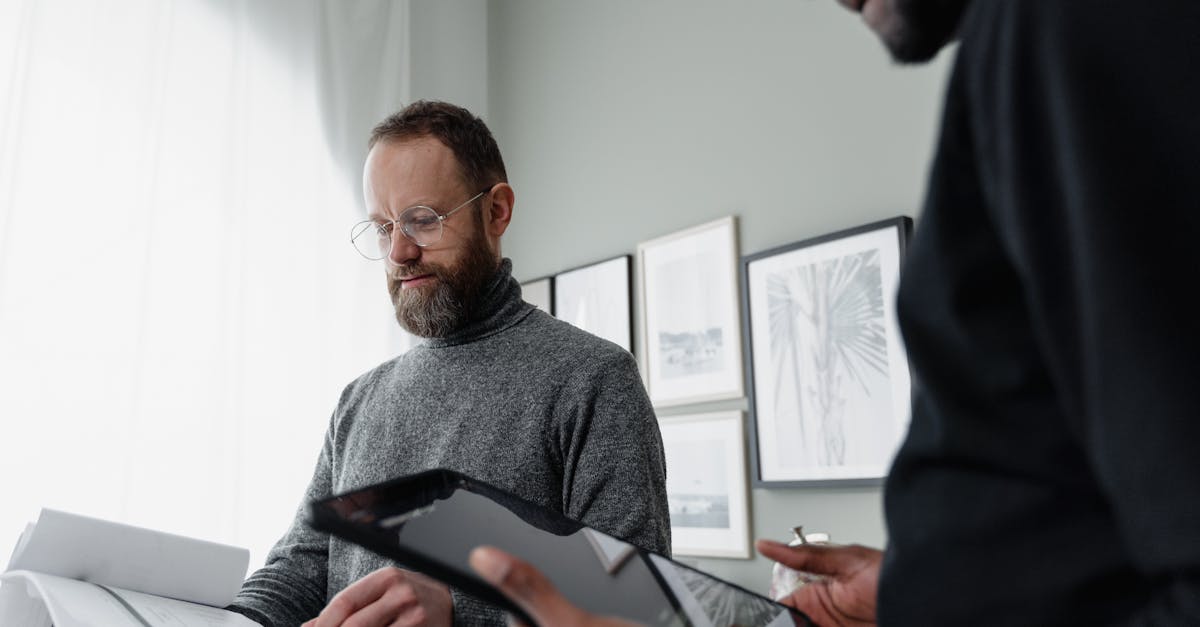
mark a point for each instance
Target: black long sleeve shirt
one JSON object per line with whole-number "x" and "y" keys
{"x": 1052, "y": 470}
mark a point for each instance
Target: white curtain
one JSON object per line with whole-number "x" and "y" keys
{"x": 179, "y": 303}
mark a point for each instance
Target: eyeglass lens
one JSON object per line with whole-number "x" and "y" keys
{"x": 420, "y": 224}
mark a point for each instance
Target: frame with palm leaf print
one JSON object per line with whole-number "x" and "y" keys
{"x": 827, "y": 376}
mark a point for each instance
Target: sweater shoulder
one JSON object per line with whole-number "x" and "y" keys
{"x": 544, "y": 334}
{"x": 355, "y": 389}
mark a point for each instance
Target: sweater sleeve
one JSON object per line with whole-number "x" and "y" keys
{"x": 614, "y": 471}
{"x": 472, "y": 612}
{"x": 291, "y": 587}
{"x": 1108, "y": 135}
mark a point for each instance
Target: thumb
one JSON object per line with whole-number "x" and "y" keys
{"x": 525, "y": 586}
{"x": 812, "y": 558}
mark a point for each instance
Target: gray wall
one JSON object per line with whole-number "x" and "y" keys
{"x": 449, "y": 52}
{"x": 628, "y": 119}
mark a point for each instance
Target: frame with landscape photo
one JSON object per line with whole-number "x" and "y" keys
{"x": 691, "y": 336}
{"x": 707, "y": 492}
{"x": 828, "y": 378}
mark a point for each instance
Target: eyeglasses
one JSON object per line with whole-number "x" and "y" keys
{"x": 420, "y": 224}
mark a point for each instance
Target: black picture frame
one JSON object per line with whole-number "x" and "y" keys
{"x": 539, "y": 292}
{"x": 604, "y": 284}
{"x": 797, "y": 369}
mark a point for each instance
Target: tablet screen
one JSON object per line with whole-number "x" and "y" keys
{"x": 432, "y": 521}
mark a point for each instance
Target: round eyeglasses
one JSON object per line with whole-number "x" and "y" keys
{"x": 420, "y": 224}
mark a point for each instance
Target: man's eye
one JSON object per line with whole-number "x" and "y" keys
{"x": 423, "y": 224}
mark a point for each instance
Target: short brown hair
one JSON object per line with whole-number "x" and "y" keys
{"x": 479, "y": 160}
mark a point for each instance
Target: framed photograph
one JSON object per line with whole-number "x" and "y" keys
{"x": 691, "y": 336}
{"x": 706, "y": 484}
{"x": 539, "y": 293}
{"x": 596, "y": 298}
{"x": 829, "y": 380}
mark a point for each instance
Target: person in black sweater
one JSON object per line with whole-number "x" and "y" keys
{"x": 1050, "y": 474}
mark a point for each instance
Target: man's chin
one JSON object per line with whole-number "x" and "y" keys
{"x": 417, "y": 325}
{"x": 429, "y": 311}
{"x": 914, "y": 51}
{"x": 914, "y": 31}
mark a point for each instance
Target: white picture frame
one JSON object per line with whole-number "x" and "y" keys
{"x": 597, "y": 299}
{"x": 689, "y": 323}
{"x": 826, "y": 407}
{"x": 707, "y": 488}
{"x": 539, "y": 293}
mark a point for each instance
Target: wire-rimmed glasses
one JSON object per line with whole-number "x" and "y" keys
{"x": 419, "y": 223}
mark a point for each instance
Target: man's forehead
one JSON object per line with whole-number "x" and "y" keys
{"x": 416, "y": 151}
{"x": 411, "y": 172}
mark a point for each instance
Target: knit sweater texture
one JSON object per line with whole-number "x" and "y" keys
{"x": 515, "y": 398}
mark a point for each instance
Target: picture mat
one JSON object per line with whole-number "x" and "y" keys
{"x": 706, "y": 466}
{"x": 539, "y": 293}
{"x": 595, "y": 298}
{"x": 690, "y": 322}
{"x": 875, "y": 419}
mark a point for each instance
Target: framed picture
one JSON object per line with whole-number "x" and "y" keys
{"x": 829, "y": 380}
{"x": 595, "y": 298}
{"x": 539, "y": 293}
{"x": 689, "y": 323}
{"x": 706, "y": 484}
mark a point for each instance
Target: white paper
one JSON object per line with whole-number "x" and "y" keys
{"x": 21, "y": 542}
{"x": 132, "y": 558}
{"x": 19, "y": 607}
{"x": 70, "y": 603}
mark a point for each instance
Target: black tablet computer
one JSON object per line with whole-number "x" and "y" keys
{"x": 430, "y": 522}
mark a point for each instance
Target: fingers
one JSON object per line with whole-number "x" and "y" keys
{"x": 354, "y": 597}
{"x": 362, "y": 600}
{"x": 818, "y": 559}
{"x": 527, "y": 587}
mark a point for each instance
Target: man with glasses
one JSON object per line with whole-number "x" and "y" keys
{"x": 497, "y": 390}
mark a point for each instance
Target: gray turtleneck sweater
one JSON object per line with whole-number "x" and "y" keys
{"x": 516, "y": 398}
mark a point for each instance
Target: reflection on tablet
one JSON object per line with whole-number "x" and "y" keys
{"x": 431, "y": 522}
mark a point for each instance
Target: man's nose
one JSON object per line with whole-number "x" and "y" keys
{"x": 404, "y": 250}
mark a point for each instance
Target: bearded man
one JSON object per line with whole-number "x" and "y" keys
{"x": 497, "y": 390}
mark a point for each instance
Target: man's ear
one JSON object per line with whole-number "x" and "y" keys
{"x": 499, "y": 212}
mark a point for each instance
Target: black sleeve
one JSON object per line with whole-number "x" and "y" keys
{"x": 1090, "y": 146}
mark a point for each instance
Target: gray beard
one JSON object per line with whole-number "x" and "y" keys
{"x": 447, "y": 305}
{"x": 436, "y": 312}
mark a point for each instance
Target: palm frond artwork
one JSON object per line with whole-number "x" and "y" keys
{"x": 827, "y": 333}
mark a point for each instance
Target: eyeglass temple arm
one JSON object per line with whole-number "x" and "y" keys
{"x": 470, "y": 200}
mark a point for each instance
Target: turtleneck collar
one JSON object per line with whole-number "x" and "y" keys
{"x": 499, "y": 308}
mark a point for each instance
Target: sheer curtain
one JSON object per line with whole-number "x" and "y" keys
{"x": 179, "y": 303}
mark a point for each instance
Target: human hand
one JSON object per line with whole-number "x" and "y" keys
{"x": 388, "y": 596}
{"x": 847, "y": 596}
{"x": 532, "y": 592}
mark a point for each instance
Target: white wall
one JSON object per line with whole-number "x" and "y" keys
{"x": 628, "y": 119}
